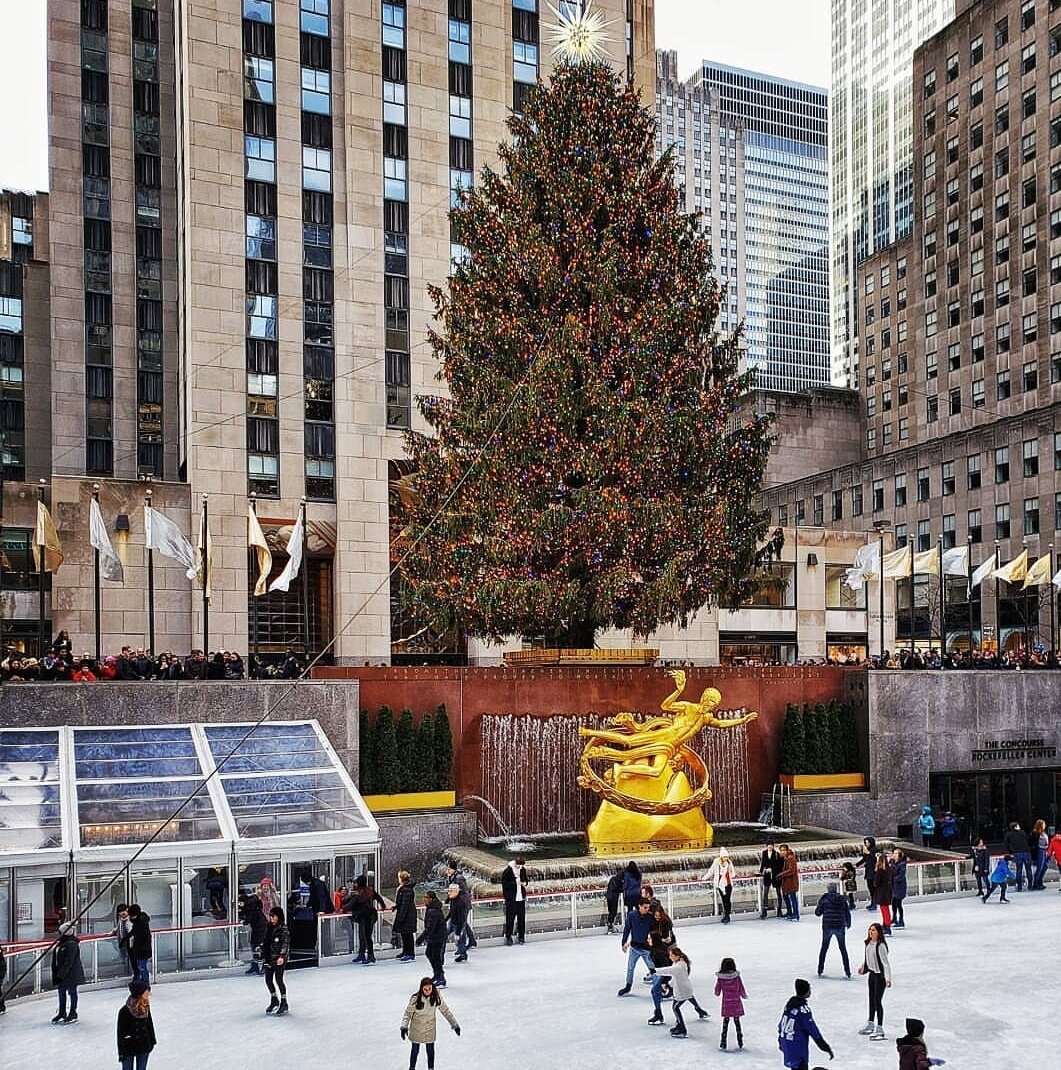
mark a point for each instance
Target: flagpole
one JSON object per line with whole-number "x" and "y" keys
{"x": 95, "y": 576}
{"x": 1053, "y": 606}
{"x": 150, "y": 587}
{"x": 305, "y": 583}
{"x": 205, "y": 564}
{"x": 998, "y": 613}
{"x": 1024, "y": 606}
{"x": 41, "y": 568}
{"x": 913, "y": 617}
{"x": 942, "y": 603}
{"x": 252, "y": 555}
{"x": 969, "y": 589}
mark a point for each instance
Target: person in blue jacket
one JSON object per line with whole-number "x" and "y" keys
{"x": 948, "y": 829}
{"x": 999, "y": 876}
{"x": 926, "y": 825}
{"x": 639, "y": 924}
{"x": 797, "y": 1028}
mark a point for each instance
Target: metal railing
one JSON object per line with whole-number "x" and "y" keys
{"x": 226, "y": 945}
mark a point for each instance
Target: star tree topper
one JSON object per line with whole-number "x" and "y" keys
{"x": 578, "y": 38}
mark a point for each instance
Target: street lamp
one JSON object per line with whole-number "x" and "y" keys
{"x": 880, "y": 527}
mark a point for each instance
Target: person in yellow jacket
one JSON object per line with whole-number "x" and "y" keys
{"x": 418, "y": 1022}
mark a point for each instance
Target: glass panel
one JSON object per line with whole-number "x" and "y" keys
{"x": 131, "y": 811}
{"x": 134, "y": 752}
{"x": 268, "y": 748}
{"x": 40, "y": 897}
{"x": 154, "y": 890}
{"x": 284, "y": 803}
{"x": 30, "y": 816}
{"x": 209, "y": 894}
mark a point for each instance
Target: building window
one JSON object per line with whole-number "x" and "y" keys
{"x": 900, "y": 536}
{"x": 924, "y": 535}
{"x": 948, "y": 531}
{"x": 1030, "y": 375}
{"x": 1002, "y": 464}
{"x": 975, "y": 526}
{"x": 1002, "y": 521}
{"x": 931, "y": 409}
{"x": 261, "y": 316}
{"x": 460, "y": 36}
{"x": 260, "y": 158}
{"x": 979, "y": 396}
{"x": 258, "y": 80}
{"x": 394, "y": 25}
{"x": 900, "y": 490}
{"x": 1031, "y": 516}
{"x": 856, "y": 500}
{"x": 904, "y": 428}
{"x": 524, "y": 62}
{"x": 1030, "y": 456}
{"x": 878, "y": 495}
{"x": 923, "y": 485}
{"x": 314, "y": 17}
{"x": 837, "y": 593}
{"x": 955, "y": 400}
{"x": 317, "y": 169}
{"x": 818, "y": 510}
{"x": 947, "y": 476}
{"x": 258, "y": 10}
{"x": 1002, "y": 385}
{"x": 316, "y": 91}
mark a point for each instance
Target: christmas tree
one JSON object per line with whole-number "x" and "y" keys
{"x": 588, "y": 468}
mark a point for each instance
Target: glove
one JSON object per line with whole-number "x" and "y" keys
{"x": 405, "y": 1033}
{"x": 936, "y": 1062}
{"x": 457, "y": 1030}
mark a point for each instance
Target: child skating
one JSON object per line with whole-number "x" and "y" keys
{"x": 418, "y": 1022}
{"x": 730, "y": 987}
{"x": 677, "y": 976}
{"x": 999, "y": 876}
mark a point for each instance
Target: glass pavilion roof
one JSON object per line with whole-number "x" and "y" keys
{"x": 75, "y": 788}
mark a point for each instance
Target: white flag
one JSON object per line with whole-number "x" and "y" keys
{"x": 294, "y": 555}
{"x": 162, "y": 535}
{"x": 956, "y": 561}
{"x": 926, "y": 562}
{"x": 1056, "y": 581}
{"x": 866, "y": 566}
{"x": 110, "y": 565}
{"x": 983, "y": 571}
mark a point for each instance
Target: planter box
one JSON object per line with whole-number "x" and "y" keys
{"x": 411, "y": 800}
{"x": 537, "y": 656}
{"x": 823, "y": 781}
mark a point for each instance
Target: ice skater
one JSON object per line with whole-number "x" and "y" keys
{"x": 676, "y": 976}
{"x": 790, "y": 882}
{"x": 878, "y": 972}
{"x": 418, "y": 1022}
{"x": 835, "y": 913}
{"x": 770, "y": 865}
{"x": 136, "y": 1030}
{"x": 850, "y": 882}
{"x": 276, "y": 950}
{"x": 730, "y": 987}
{"x": 635, "y": 941}
{"x": 67, "y": 973}
{"x": 1000, "y": 876}
{"x": 899, "y": 888}
{"x": 612, "y": 894}
{"x": 722, "y": 874}
{"x": 982, "y": 867}
{"x": 434, "y": 938}
{"x": 797, "y": 1027}
{"x": 913, "y": 1055}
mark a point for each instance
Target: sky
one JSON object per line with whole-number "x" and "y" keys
{"x": 788, "y": 38}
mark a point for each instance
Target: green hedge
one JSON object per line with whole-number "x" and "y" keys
{"x": 401, "y": 756}
{"x": 819, "y": 739}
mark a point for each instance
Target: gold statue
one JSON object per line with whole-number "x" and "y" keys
{"x": 649, "y": 801}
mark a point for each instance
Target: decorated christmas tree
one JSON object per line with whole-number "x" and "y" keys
{"x": 587, "y": 468}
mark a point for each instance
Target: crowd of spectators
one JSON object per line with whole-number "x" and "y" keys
{"x": 61, "y": 665}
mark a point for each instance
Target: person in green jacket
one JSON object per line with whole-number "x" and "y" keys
{"x": 418, "y": 1022}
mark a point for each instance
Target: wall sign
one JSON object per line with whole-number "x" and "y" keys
{"x": 1009, "y": 750}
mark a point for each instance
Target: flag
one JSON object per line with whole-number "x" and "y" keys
{"x": 1056, "y": 581}
{"x": 294, "y": 555}
{"x": 256, "y": 540}
{"x": 983, "y": 570}
{"x": 1039, "y": 572}
{"x": 1015, "y": 570}
{"x": 896, "y": 565}
{"x": 110, "y": 565}
{"x": 161, "y": 534}
{"x": 866, "y": 566}
{"x": 44, "y": 534}
{"x": 927, "y": 561}
{"x": 956, "y": 561}
{"x": 204, "y": 556}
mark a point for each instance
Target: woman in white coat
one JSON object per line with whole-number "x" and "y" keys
{"x": 723, "y": 875}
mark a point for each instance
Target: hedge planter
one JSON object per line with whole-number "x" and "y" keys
{"x": 411, "y": 800}
{"x": 823, "y": 781}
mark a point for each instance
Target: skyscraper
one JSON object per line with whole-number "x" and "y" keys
{"x": 751, "y": 151}
{"x": 872, "y": 144}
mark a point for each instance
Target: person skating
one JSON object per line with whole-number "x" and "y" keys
{"x": 878, "y": 972}
{"x": 635, "y": 942}
{"x": 140, "y": 943}
{"x": 722, "y": 873}
{"x": 456, "y": 916}
{"x": 361, "y": 905}
{"x": 1016, "y": 844}
{"x": 797, "y": 1028}
{"x": 252, "y": 915}
{"x": 454, "y": 876}
{"x": 514, "y": 889}
{"x": 613, "y": 893}
{"x": 3, "y": 978}
{"x": 982, "y": 867}
{"x": 790, "y": 882}
{"x": 276, "y": 951}
{"x": 675, "y": 977}
{"x": 434, "y": 938}
{"x": 405, "y": 915}
{"x": 1039, "y": 842}
{"x": 926, "y": 825}
{"x": 730, "y": 987}
{"x": 631, "y": 886}
{"x": 835, "y": 913}
{"x": 913, "y": 1055}
{"x": 868, "y": 862}
{"x": 1000, "y": 875}
{"x": 136, "y": 1029}
{"x": 948, "y": 829}
{"x": 67, "y": 972}
{"x": 419, "y": 1021}
{"x": 661, "y": 938}
{"x": 770, "y": 865}
{"x": 882, "y": 891}
{"x": 900, "y": 887}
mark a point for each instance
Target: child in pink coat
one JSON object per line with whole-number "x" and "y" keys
{"x": 730, "y": 987}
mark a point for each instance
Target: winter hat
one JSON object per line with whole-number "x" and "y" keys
{"x": 802, "y": 988}
{"x": 138, "y": 988}
{"x": 723, "y": 853}
{"x": 454, "y": 888}
{"x": 915, "y": 1027}
{"x": 66, "y": 928}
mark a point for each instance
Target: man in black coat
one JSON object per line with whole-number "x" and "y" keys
{"x": 253, "y": 916}
{"x": 456, "y": 877}
{"x": 832, "y": 908}
{"x": 434, "y": 937}
{"x": 140, "y": 943}
{"x": 456, "y": 919}
{"x": 770, "y": 865}
{"x": 1016, "y": 843}
{"x": 514, "y": 889}
{"x": 67, "y": 972}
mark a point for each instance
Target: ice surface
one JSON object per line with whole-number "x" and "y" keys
{"x": 979, "y": 975}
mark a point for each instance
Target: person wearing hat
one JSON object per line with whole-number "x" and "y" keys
{"x": 832, "y": 908}
{"x": 926, "y": 825}
{"x": 434, "y": 938}
{"x": 797, "y": 1028}
{"x": 722, "y": 873}
{"x": 67, "y": 972}
{"x": 454, "y": 876}
{"x": 913, "y": 1055}
{"x": 457, "y": 919}
{"x": 136, "y": 1030}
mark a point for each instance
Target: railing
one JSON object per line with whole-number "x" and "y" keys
{"x": 575, "y": 912}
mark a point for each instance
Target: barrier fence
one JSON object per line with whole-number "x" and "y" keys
{"x": 576, "y": 912}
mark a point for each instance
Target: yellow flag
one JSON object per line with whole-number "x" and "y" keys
{"x": 896, "y": 565}
{"x": 256, "y": 540}
{"x": 1039, "y": 572}
{"x": 1014, "y": 571}
{"x": 926, "y": 562}
{"x": 44, "y": 534}
{"x": 204, "y": 555}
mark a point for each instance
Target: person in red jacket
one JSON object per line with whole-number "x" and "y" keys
{"x": 1053, "y": 850}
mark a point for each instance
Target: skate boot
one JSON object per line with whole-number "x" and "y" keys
{"x": 282, "y": 1009}
{"x": 273, "y": 1004}
{"x": 867, "y": 1029}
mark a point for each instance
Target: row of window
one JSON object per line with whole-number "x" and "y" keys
{"x": 12, "y": 367}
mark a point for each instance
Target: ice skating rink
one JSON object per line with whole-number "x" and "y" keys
{"x": 983, "y": 977}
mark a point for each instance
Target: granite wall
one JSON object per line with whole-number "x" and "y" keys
{"x": 415, "y": 841}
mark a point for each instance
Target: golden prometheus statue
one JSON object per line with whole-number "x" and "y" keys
{"x": 654, "y": 790}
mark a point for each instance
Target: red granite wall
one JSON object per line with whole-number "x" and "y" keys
{"x": 468, "y": 693}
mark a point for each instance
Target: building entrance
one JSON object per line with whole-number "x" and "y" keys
{"x": 985, "y": 803}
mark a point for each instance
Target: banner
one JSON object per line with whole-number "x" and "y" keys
{"x": 1015, "y": 570}
{"x": 897, "y": 564}
{"x": 294, "y": 554}
{"x": 164, "y": 537}
{"x": 110, "y": 565}
{"x": 866, "y": 566}
{"x": 44, "y": 534}
{"x": 926, "y": 562}
{"x": 256, "y": 541}
{"x": 204, "y": 555}
{"x": 983, "y": 570}
{"x": 956, "y": 561}
{"x": 1039, "y": 572}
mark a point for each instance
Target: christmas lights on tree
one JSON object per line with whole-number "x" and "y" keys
{"x": 588, "y": 468}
